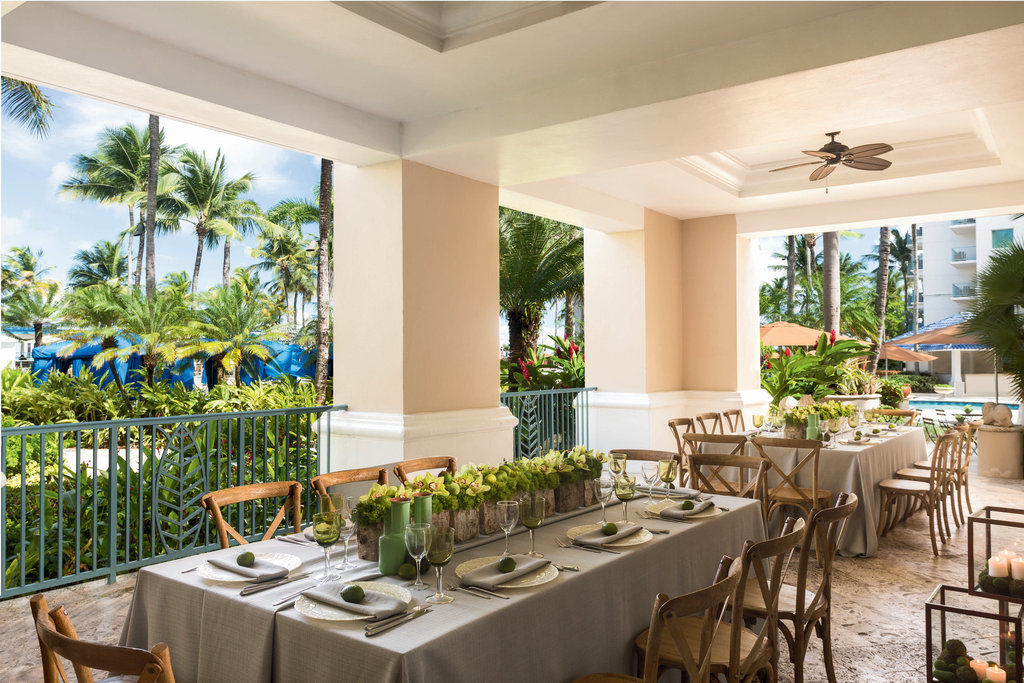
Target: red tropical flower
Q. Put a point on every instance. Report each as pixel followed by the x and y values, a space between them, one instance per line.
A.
pixel 786 352
pixel 832 336
pixel 768 364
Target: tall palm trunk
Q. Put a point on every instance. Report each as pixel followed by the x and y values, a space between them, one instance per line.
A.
pixel 295 308
pixel 128 241
pixel 226 268
pixel 151 188
pixel 569 315
pixel 323 292
pixel 37 327
pixel 881 291
pixel 110 343
pixel 138 259
pixel 913 232
pixel 904 275
pixel 200 237
pixel 523 330
pixel 830 303
pixel 790 274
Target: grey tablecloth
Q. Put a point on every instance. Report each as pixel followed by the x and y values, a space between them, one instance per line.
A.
pixel 579 623
pixel 856 469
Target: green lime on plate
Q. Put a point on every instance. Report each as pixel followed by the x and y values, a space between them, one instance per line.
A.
pixel 506 564
pixel 353 594
pixel 246 559
pixel 687 505
pixel 407 571
pixel 609 529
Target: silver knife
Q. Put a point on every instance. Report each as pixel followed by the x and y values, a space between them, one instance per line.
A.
pixel 267 585
pixel 395 617
pixel 484 590
pixel 393 624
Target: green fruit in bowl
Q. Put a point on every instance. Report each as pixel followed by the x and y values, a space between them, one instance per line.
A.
pixel 353 594
pixel 687 505
pixel 246 559
pixel 407 571
pixel 506 564
pixel 609 529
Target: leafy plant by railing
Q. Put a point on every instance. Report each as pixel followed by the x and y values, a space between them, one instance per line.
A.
pixel 820 372
pixel 560 365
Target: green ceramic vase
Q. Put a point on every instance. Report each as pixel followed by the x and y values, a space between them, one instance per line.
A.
pixel 423 508
pixel 391 545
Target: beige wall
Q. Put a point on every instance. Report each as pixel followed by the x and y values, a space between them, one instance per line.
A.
pixel 664 246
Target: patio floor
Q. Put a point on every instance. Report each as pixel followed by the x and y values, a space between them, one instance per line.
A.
pixel 878 605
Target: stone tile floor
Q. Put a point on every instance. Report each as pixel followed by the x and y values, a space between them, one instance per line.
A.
pixel 878 604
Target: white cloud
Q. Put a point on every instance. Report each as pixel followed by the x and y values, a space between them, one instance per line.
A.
pixel 59 173
pixel 14 229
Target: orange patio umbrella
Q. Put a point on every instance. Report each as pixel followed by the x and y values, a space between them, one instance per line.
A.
pixel 893 352
pixel 953 334
pixel 782 333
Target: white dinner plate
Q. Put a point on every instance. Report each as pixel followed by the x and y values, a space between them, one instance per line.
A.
pixel 656 508
pixel 318 610
pixel 212 573
pixel 547 573
pixel 864 441
pixel 639 538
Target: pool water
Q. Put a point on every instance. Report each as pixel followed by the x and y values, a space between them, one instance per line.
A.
pixel 955 405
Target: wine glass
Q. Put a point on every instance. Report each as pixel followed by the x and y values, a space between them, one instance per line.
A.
pixel 533 509
pixel 617 464
pixel 326 529
pixel 508 517
pixel 343 506
pixel 834 427
pixel 625 489
pixel 668 471
pixel 758 419
pixel 605 487
pixel 649 470
pixel 440 546
pixel 416 544
pixel 854 419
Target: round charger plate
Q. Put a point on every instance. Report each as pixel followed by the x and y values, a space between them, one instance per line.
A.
pixel 541 576
pixel 318 610
pixel 639 538
pixel 656 508
pixel 864 441
pixel 211 573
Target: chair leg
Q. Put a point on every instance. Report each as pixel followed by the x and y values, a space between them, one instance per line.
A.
pixel 967 493
pixel 944 505
pixel 882 512
pixel 825 633
pixel 932 523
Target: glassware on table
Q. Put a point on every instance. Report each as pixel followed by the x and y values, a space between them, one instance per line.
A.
pixel 416 537
pixel 532 510
pixel 440 547
pixel 326 529
pixel 650 472
pixel 778 420
pixel 605 488
pixel 854 419
pixel 617 464
pixel 668 472
pixel 625 489
pixel 758 420
pixel 508 517
pixel 835 425
pixel 343 506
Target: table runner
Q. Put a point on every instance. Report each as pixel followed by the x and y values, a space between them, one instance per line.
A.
pixel 579 623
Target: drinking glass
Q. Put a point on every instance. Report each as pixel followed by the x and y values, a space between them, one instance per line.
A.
pixel 834 427
pixel 440 546
pixel 625 489
pixel 508 517
pixel 668 471
pixel 533 509
pixel 605 487
pixel 758 419
pixel 854 420
pixel 326 529
pixel 416 544
pixel 617 464
pixel 343 506
pixel 650 474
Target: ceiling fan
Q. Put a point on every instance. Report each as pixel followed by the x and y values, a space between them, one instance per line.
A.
pixel 834 153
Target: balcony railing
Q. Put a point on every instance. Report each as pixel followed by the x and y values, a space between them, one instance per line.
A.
pixel 961 254
pixel 550 418
pixel 963 290
pixel 95 499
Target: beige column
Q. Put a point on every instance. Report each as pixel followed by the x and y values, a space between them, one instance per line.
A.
pixel 415 317
pixel 671 327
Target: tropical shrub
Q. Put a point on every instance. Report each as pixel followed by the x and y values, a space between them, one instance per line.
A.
pixel 924 384
pixel 560 365
pixel 829 410
pixel 892 392
pixel 819 372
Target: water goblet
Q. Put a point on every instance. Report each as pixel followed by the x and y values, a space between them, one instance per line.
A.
pixel 343 506
pixel 617 464
pixel 668 471
pixel 326 529
pixel 854 419
pixel 625 489
pixel 758 420
pixel 605 488
pixel 508 517
pixel 533 509
pixel 834 427
pixel 440 547
pixel 649 470
pixel 416 544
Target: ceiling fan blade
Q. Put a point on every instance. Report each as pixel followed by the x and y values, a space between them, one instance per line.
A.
pixel 868 163
pixel 809 163
pixel 820 173
pixel 820 155
pixel 867 150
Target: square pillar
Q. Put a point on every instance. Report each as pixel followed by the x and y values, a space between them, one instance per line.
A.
pixel 415 317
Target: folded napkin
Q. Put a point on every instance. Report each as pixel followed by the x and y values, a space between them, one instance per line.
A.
pixel 676 512
pixel 375 605
pixel 597 537
pixel 260 571
pixel 490 577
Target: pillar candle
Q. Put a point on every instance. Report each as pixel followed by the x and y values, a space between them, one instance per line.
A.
pixel 996 674
pixel 1017 568
pixel 980 667
pixel 998 567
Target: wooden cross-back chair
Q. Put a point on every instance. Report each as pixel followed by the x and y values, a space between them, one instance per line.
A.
pixel 715 420
pixel 680 426
pixel 733 650
pixel 909 415
pixel 323 482
pixel 959 470
pixel 715 479
pixel 787 493
pixel 734 419
pixel 58 639
pixel 653 456
pixel 444 462
pixel 806 607
pixel 215 500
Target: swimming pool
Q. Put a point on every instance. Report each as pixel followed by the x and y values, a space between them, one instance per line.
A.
pixel 955 405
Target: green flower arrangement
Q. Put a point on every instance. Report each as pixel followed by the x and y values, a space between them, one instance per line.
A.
pixel 829 410
pixel 468 488
pixel 430 483
pixel 374 505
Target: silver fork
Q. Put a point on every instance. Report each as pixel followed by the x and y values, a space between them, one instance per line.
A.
pixel 565 544
pixel 466 589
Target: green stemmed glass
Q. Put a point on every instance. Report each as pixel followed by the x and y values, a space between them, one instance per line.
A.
pixel 326 530
pixel 625 489
pixel 532 511
pixel 440 547
pixel 668 472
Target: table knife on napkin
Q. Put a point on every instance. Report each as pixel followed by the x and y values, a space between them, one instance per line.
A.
pixel 387 627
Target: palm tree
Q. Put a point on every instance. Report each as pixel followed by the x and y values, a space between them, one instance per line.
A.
pixel 176 283
pixel 881 291
pixel 231 328
pixel 211 203
pixel 26 104
pixel 102 263
pixel 901 254
pixel 153 169
pixel 323 277
pixel 283 251
pixel 92 316
pixel 997 314
pixel 538 261
pixel 790 273
pixel 913 232
pixel 22 269
pixel 830 271
pixel 33 308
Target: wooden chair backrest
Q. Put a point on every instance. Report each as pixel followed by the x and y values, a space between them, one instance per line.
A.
pixel 911 415
pixel 444 462
pixel 698 477
pixel 215 500
pixel 972 435
pixel 788 477
pixel 734 418
pixel 943 458
pixel 58 639
pixel 323 482
pixel 711 603
pixel 680 426
pixel 716 423
pixel 827 525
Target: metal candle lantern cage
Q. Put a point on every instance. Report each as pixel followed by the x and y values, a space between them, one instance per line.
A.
pixel 982 522
pixel 1009 627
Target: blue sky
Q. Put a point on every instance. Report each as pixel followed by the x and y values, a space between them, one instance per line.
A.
pixel 34 213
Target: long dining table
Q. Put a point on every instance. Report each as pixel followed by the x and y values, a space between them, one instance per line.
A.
pixel 580 622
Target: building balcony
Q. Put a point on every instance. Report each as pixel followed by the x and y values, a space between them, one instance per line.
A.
pixel 964 256
pixel 963 291
pixel 963 226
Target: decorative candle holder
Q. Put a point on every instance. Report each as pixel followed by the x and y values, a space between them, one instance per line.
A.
pixel 984 629
pixel 996 533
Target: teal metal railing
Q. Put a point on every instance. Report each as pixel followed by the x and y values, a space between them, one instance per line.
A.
pixel 549 418
pixel 95 499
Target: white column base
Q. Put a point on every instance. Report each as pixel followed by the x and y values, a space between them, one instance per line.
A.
pixel 359 439
pixel 638 420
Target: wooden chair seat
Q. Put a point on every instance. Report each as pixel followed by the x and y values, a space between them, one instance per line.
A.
pixel 796 496
pixel 923 465
pixel 904 485
pixel 914 474
pixel 692 628
pixel 754 602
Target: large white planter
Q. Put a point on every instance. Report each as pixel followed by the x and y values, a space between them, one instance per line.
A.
pixel 944 391
pixel 862 401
